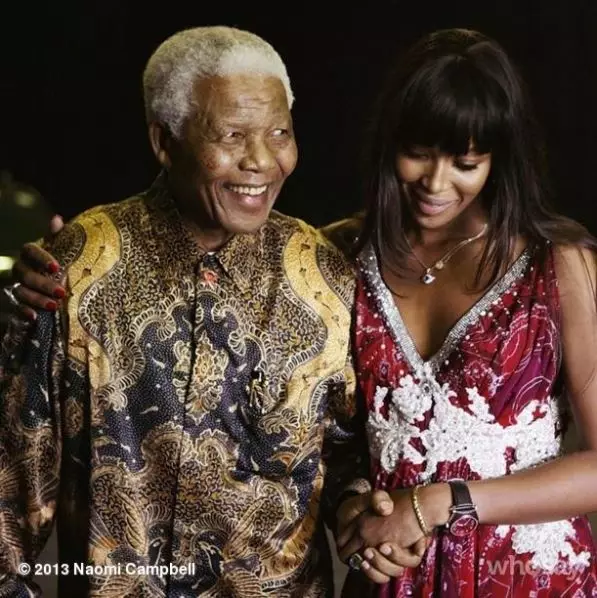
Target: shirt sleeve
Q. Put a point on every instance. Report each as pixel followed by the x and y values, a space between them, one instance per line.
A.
pixel 31 361
pixel 345 451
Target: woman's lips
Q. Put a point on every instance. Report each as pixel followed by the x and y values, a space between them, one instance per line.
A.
pixel 430 207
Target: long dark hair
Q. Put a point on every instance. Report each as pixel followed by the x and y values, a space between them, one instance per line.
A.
pixel 452 87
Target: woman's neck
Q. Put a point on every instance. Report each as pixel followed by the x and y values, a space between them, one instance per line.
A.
pixel 466 225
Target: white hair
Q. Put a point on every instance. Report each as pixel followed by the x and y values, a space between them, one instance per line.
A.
pixel 194 54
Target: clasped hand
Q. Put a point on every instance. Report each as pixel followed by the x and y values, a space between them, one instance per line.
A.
pixel 383 528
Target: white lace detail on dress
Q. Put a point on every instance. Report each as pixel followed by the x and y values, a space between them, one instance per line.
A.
pixel 454 432
pixel 473 434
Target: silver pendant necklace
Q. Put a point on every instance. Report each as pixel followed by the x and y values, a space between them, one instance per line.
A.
pixel 427 277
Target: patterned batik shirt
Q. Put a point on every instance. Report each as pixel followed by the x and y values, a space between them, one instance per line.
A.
pixel 178 417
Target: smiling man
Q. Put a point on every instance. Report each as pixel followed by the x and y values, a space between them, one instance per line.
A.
pixel 180 409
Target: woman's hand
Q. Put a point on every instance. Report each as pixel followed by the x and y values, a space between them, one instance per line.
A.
pixel 37 290
pixel 353 507
pixel 400 527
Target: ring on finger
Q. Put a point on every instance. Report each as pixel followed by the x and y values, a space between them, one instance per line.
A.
pixel 355 562
pixel 10 293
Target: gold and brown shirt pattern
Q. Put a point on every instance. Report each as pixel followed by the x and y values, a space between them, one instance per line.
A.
pixel 182 409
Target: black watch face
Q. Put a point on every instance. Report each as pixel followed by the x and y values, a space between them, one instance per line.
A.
pixel 464 525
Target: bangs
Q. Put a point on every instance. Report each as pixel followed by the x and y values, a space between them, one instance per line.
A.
pixel 453 107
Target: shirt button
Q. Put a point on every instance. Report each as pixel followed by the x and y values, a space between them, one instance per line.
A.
pixel 209 276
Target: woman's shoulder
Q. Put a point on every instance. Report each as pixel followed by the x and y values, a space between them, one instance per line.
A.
pixel 575 262
pixel 345 233
pixel 575 268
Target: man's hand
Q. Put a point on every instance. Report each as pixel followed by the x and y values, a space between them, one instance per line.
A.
pixel 389 560
pixel 400 527
pixel 37 290
pixel 386 560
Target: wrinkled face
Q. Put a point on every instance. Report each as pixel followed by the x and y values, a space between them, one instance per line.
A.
pixel 440 187
pixel 235 153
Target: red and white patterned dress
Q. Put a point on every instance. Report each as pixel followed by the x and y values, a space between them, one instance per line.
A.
pixel 483 406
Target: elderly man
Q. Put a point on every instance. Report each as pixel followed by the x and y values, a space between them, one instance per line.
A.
pixel 177 414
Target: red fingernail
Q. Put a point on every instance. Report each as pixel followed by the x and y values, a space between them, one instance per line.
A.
pixel 51 306
pixel 59 293
pixel 53 267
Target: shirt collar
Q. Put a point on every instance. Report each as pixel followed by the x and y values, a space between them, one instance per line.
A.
pixel 240 258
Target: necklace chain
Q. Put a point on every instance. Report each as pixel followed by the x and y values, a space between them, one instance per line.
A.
pixel 428 277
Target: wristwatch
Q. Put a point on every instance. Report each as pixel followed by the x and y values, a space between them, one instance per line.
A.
pixel 463 513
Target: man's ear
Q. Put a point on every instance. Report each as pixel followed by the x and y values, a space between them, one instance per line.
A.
pixel 161 143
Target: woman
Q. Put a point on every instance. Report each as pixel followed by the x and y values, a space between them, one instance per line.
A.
pixel 475 309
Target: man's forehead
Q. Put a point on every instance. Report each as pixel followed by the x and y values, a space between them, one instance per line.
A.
pixel 233 95
pixel 237 89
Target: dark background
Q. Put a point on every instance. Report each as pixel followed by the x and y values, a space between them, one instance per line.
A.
pixel 72 114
